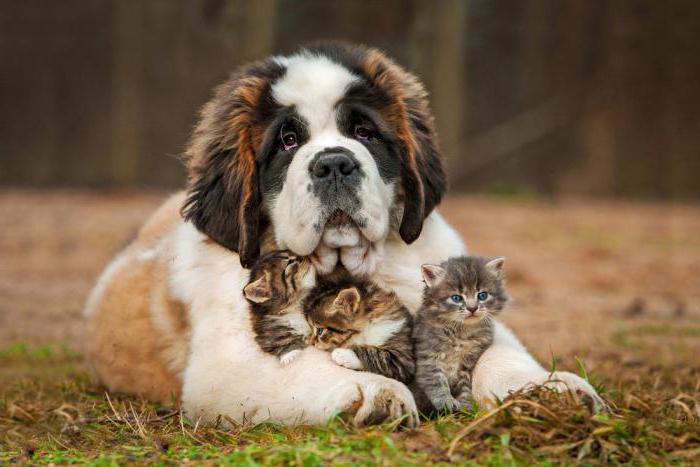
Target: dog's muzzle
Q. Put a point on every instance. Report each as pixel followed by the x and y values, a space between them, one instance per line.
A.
pixel 336 177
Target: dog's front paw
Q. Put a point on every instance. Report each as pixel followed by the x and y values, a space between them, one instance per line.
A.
pixel 564 381
pixel 289 357
pixel 384 401
pixel 346 358
pixel 362 397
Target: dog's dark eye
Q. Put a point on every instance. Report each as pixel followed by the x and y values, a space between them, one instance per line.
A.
pixel 363 133
pixel 289 139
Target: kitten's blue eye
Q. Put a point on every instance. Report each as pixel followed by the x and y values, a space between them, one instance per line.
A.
pixel 456 298
pixel 482 296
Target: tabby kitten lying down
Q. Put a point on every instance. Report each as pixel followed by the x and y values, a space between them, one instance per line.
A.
pixel 279 281
pixel 453 328
pixel 363 326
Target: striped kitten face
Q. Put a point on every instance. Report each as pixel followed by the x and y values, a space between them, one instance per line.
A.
pixel 334 322
pixel 279 280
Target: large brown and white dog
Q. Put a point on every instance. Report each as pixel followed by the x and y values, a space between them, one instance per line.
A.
pixel 330 153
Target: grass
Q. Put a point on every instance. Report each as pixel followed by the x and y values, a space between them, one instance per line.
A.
pixel 51 412
pixel 612 283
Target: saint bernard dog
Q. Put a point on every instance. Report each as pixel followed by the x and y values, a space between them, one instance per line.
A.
pixel 330 153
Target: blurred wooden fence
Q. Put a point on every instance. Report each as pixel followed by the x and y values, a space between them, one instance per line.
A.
pixel 548 96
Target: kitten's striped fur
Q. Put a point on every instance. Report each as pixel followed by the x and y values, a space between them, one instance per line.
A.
pixel 279 281
pixel 289 313
pixel 360 316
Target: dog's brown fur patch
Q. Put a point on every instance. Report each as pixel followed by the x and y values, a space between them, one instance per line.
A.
pixel 123 346
pixel 224 199
pixel 424 181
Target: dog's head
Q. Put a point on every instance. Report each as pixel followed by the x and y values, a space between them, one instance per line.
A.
pixel 332 147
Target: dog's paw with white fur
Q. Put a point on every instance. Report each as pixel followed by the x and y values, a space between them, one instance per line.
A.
pixel 289 357
pixel 385 401
pixel 372 399
pixel 563 381
pixel 346 358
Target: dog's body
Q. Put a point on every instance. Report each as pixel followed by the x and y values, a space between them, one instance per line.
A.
pixel 329 153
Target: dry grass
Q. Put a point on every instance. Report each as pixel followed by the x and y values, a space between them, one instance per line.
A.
pixel 55 414
pixel 613 283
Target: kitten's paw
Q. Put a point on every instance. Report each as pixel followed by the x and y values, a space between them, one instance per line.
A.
pixel 289 357
pixel 447 404
pixel 346 358
pixel 466 403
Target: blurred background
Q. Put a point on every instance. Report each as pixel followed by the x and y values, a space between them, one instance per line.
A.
pixel 571 128
pixel 583 97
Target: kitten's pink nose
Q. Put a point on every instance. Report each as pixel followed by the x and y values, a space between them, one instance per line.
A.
pixel 472 308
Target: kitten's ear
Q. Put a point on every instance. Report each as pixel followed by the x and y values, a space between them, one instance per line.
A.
pixel 495 266
pixel 433 274
pixel 347 301
pixel 260 290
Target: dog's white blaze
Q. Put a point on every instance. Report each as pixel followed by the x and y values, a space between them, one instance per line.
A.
pixel 314 85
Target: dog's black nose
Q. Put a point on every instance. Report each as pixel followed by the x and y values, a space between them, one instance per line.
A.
pixel 335 164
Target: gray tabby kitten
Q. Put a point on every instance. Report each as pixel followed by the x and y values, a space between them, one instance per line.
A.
pixel 454 327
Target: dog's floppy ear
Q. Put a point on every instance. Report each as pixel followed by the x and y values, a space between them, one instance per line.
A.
pixel 423 179
pixel 224 199
pixel 424 182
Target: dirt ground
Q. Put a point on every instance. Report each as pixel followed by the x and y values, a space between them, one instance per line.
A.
pixel 579 272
